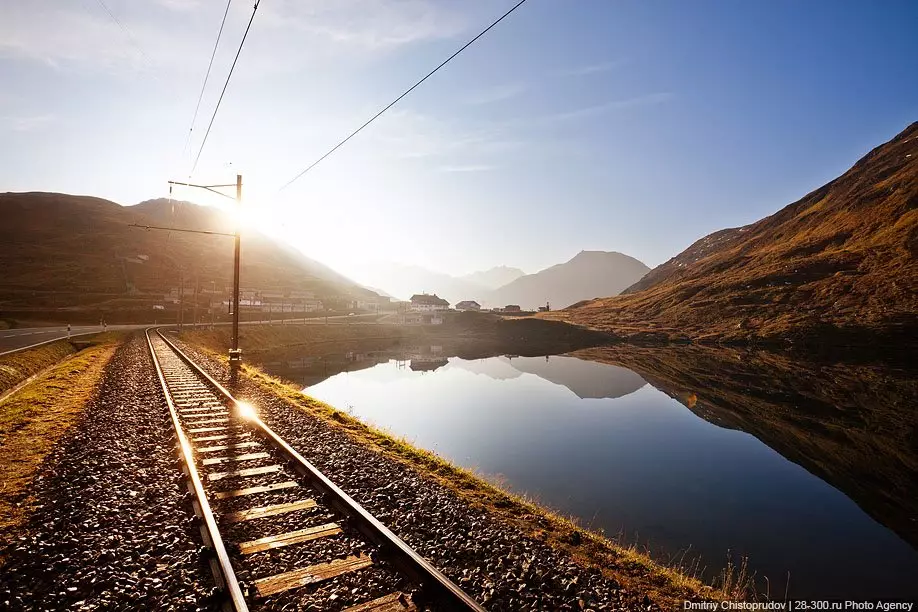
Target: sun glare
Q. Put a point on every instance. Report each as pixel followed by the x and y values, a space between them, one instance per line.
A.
pixel 246 411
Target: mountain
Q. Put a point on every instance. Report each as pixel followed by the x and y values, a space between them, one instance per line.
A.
pixel 837 266
pixel 588 275
pixel 380 292
pixel 403 281
pixel 493 278
pixel 77 252
pixel 258 248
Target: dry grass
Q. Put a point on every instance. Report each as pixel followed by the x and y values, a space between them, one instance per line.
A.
pixel 35 417
pixel 17 367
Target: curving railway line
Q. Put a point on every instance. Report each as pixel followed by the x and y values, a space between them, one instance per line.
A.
pixel 275 528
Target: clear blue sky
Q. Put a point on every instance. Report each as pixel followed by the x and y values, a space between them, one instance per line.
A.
pixel 635 126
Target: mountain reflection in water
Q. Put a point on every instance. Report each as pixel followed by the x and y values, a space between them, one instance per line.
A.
pixel 586 434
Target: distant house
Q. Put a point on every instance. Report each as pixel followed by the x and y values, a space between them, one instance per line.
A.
pixel 468 305
pixel 512 308
pixel 423 302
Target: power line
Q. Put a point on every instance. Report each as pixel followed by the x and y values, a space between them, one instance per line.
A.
pixel 407 91
pixel 210 65
pixel 228 77
pixel 129 34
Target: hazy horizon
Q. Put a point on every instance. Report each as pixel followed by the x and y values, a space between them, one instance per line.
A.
pixel 629 126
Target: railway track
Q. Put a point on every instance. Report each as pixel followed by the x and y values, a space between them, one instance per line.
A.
pixel 278 533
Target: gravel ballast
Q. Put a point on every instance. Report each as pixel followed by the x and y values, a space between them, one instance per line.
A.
pixel 491 560
pixel 112 527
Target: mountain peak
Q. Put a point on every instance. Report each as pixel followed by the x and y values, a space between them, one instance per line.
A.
pixel 587 275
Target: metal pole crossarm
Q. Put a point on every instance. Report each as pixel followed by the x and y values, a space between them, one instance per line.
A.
pixel 175 229
pixel 211 188
pixel 201 186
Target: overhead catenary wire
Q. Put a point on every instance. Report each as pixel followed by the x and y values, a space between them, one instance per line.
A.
pixel 130 36
pixel 210 65
pixel 405 93
pixel 225 84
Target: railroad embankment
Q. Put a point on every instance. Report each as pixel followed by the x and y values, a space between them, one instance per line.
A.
pixel 475 510
pixel 33 418
pixel 19 366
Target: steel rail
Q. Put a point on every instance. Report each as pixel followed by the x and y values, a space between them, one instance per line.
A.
pixel 230 583
pixel 434 584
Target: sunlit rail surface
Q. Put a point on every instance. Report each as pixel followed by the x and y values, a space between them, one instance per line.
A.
pixel 270 516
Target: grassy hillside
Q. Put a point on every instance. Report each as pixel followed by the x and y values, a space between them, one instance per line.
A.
pixel 61 251
pixel 838 266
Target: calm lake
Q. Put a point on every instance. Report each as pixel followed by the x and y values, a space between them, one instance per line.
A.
pixel 663 456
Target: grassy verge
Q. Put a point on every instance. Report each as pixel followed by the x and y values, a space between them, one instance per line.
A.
pixel 17 367
pixel 35 417
pixel 667 586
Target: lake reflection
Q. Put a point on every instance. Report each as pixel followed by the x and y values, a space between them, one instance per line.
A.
pixel 654 444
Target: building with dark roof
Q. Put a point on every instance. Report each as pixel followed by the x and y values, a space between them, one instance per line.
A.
pixel 423 302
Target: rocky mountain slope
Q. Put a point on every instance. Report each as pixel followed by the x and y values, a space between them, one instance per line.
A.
pixel 838 266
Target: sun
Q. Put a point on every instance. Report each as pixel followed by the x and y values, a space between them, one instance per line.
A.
pixel 244 216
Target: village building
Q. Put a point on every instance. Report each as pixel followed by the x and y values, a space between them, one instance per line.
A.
pixel 468 305
pixel 423 302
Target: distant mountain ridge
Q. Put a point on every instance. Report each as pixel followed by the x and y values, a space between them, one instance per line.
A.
pixel 838 266
pixel 497 276
pixel 589 274
pixel 403 280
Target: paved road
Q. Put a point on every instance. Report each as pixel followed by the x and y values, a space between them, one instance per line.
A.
pixel 27 336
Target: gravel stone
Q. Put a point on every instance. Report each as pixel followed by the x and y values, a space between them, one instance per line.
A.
pixel 112 527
